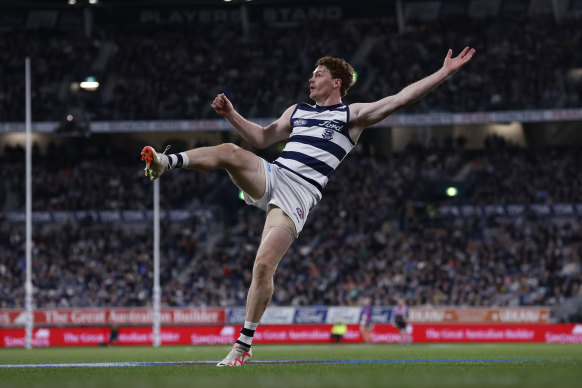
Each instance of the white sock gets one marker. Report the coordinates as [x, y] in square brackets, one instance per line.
[178, 160]
[246, 334]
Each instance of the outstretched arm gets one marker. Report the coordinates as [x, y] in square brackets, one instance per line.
[366, 114]
[254, 134]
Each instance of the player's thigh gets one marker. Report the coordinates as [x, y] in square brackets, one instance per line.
[243, 167]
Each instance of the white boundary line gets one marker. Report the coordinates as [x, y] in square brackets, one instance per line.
[259, 362]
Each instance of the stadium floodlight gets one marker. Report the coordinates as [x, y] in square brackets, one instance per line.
[93, 2]
[72, 2]
[89, 84]
[452, 191]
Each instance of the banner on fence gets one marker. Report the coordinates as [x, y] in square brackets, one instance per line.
[117, 316]
[274, 315]
[294, 334]
[479, 315]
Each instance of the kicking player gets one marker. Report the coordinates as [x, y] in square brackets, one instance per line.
[319, 137]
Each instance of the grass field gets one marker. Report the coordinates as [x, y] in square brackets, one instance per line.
[555, 366]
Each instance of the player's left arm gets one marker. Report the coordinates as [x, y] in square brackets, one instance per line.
[363, 115]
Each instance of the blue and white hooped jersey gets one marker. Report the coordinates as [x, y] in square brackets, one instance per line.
[319, 141]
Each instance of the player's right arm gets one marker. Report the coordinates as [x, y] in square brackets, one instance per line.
[254, 134]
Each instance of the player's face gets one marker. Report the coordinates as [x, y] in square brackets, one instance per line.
[321, 84]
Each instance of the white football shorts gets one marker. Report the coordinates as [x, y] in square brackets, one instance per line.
[287, 191]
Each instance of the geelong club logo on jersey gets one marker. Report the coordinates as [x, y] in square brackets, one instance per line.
[299, 213]
[327, 134]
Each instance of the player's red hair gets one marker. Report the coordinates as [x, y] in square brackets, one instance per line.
[339, 68]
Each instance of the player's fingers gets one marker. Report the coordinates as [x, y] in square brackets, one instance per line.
[469, 55]
[217, 102]
[464, 52]
[449, 53]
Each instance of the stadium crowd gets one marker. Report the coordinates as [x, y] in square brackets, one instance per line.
[355, 244]
[174, 72]
[536, 175]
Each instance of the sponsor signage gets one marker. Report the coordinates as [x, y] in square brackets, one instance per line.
[512, 210]
[194, 335]
[478, 315]
[524, 116]
[348, 315]
[310, 315]
[403, 120]
[281, 315]
[235, 315]
[208, 215]
[559, 333]
[44, 337]
[277, 315]
[96, 317]
[111, 216]
[294, 334]
[273, 316]
[381, 314]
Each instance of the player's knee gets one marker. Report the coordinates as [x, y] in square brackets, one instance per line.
[263, 271]
[229, 154]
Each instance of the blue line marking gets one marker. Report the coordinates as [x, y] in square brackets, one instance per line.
[404, 361]
[260, 362]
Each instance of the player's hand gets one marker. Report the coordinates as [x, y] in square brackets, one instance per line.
[222, 104]
[452, 65]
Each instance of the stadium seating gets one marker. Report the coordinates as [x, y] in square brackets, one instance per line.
[164, 73]
[356, 243]
[385, 239]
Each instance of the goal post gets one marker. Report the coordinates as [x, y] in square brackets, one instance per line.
[28, 282]
[156, 289]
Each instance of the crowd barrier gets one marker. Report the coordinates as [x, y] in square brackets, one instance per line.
[281, 325]
[293, 334]
[273, 315]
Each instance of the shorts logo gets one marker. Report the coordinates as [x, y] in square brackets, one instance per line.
[327, 134]
[299, 213]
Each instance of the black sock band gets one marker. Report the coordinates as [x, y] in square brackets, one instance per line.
[180, 161]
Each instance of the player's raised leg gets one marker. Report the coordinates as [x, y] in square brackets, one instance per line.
[241, 165]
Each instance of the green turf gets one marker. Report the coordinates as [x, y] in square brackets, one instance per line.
[562, 367]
